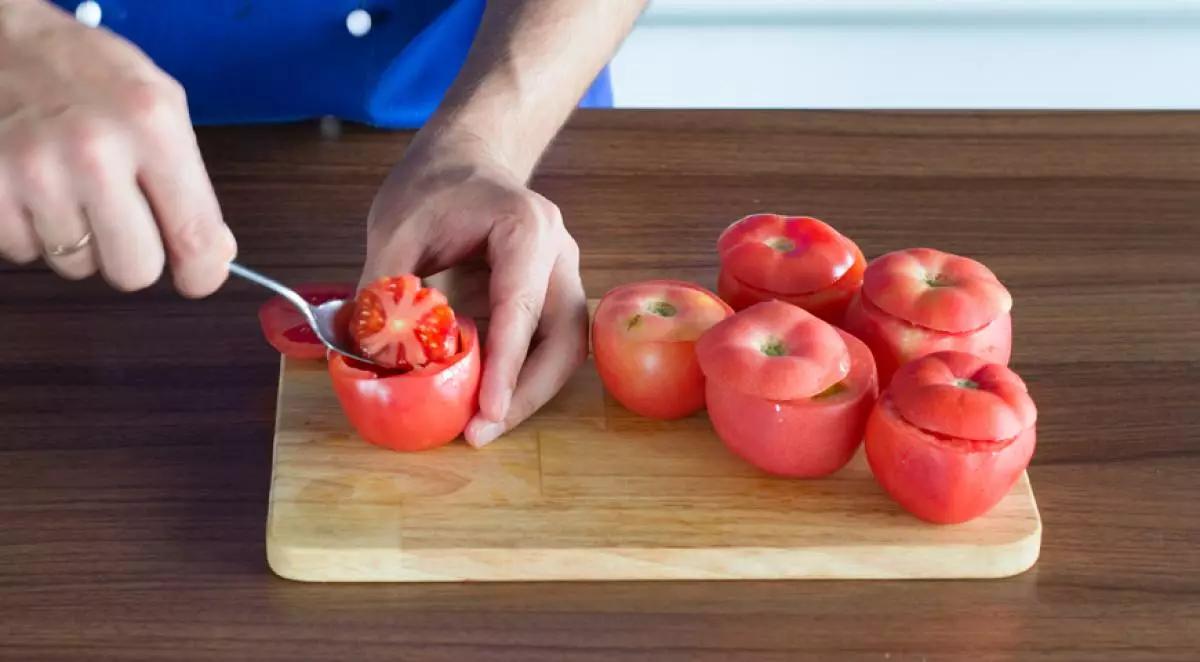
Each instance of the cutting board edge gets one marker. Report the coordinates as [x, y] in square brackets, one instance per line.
[313, 565]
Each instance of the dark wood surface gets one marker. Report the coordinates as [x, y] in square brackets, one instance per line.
[135, 430]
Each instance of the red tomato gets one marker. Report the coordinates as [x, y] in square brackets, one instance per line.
[399, 324]
[951, 435]
[920, 300]
[418, 409]
[286, 329]
[786, 391]
[643, 341]
[796, 259]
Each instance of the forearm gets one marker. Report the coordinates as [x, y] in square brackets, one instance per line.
[531, 63]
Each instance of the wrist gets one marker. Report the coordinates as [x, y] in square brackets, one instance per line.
[455, 140]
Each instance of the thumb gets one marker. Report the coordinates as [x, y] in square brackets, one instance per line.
[397, 252]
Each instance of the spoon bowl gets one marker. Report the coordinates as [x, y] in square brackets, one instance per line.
[326, 319]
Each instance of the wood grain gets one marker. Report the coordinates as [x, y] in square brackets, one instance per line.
[586, 490]
[135, 430]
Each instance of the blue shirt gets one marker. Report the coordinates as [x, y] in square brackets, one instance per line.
[252, 61]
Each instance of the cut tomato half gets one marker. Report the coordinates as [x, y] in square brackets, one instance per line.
[400, 324]
[286, 329]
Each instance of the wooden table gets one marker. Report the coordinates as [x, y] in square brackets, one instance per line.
[137, 428]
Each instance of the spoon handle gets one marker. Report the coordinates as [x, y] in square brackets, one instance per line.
[275, 286]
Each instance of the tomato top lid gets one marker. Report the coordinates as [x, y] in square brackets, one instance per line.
[961, 395]
[661, 310]
[936, 290]
[785, 254]
[774, 350]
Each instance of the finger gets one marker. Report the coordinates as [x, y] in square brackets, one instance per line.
[198, 243]
[18, 243]
[522, 255]
[54, 211]
[128, 244]
[398, 253]
[552, 363]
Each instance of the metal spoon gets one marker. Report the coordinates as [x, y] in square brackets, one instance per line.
[322, 318]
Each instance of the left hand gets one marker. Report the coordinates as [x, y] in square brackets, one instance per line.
[450, 200]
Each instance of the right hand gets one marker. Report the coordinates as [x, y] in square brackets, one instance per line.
[94, 138]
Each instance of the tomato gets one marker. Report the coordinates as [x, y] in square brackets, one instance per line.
[413, 410]
[286, 329]
[951, 435]
[787, 391]
[397, 323]
[918, 301]
[643, 341]
[796, 259]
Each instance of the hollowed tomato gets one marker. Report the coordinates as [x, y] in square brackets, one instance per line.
[950, 436]
[643, 341]
[415, 409]
[918, 301]
[285, 328]
[787, 391]
[796, 259]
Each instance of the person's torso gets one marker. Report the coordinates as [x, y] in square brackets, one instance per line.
[247, 61]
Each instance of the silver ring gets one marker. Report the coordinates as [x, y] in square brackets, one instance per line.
[62, 251]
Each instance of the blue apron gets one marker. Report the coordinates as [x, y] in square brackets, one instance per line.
[254, 61]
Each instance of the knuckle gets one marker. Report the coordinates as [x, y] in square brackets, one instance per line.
[570, 250]
[526, 304]
[92, 146]
[34, 165]
[154, 103]
[193, 237]
[546, 213]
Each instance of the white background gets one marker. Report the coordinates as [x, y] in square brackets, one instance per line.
[912, 54]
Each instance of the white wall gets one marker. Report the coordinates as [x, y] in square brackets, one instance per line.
[912, 54]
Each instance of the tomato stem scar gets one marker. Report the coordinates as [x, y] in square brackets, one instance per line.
[966, 383]
[774, 347]
[661, 308]
[937, 280]
[781, 244]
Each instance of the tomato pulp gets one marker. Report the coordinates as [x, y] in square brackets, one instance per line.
[416, 409]
[286, 329]
[918, 301]
[797, 259]
[643, 341]
[787, 391]
[950, 436]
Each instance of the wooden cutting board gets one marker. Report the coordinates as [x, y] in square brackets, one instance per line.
[586, 490]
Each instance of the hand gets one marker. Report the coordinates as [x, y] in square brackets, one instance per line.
[448, 202]
[98, 157]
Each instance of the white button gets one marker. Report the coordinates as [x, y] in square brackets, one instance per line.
[88, 13]
[358, 22]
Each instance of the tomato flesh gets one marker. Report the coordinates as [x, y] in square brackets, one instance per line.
[919, 301]
[950, 436]
[643, 343]
[286, 329]
[815, 432]
[397, 323]
[415, 409]
[797, 259]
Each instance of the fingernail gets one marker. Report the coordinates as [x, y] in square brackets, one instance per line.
[486, 433]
